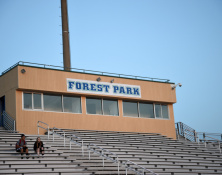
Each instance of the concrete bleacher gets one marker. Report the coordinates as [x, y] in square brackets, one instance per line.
[155, 152]
[54, 161]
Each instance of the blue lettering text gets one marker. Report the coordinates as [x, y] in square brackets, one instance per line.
[71, 83]
[121, 90]
[85, 86]
[78, 85]
[136, 91]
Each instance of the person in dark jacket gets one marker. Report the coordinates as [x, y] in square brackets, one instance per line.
[21, 146]
[39, 146]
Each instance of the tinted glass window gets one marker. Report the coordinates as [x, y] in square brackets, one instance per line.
[94, 106]
[27, 100]
[37, 101]
[53, 103]
[165, 111]
[146, 110]
[158, 111]
[110, 107]
[130, 109]
[72, 104]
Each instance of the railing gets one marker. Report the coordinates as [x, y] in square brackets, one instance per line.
[64, 135]
[104, 154]
[77, 140]
[86, 71]
[190, 134]
[201, 137]
[8, 122]
[185, 131]
[38, 126]
[137, 168]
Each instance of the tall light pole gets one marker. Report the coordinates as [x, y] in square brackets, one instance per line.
[65, 36]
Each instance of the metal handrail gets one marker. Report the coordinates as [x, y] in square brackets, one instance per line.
[43, 127]
[8, 122]
[186, 131]
[183, 130]
[104, 153]
[89, 71]
[76, 142]
[136, 168]
[213, 139]
[64, 135]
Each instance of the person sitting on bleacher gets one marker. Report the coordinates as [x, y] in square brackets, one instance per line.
[21, 146]
[39, 146]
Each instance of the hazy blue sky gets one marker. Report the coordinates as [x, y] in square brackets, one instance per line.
[176, 40]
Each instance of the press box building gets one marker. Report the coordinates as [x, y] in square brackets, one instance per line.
[79, 99]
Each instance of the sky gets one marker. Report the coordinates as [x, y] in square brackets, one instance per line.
[169, 39]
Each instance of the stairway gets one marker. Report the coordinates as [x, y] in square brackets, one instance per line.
[55, 161]
[155, 152]
[158, 153]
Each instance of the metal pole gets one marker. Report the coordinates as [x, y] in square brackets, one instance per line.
[103, 158]
[195, 136]
[65, 35]
[64, 139]
[53, 135]
[82, 149]
[48, 132]
[14, 125]
[70, 143]
[118, 164]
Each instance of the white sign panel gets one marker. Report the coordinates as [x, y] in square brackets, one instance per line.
[103, 88]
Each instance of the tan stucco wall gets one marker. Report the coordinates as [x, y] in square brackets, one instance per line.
[44, 80]
[8, 86]
[55, 81]
[27, 121]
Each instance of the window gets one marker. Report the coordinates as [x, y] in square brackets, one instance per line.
[165, 113]
[27, 100]
[161, 111]
[146, 110]
[102, 107]
[94, 106]
[49, 102]
[37, 100]
[52, 103]
[72, 104]
[130, 109]
[158, 110]
[110, 107]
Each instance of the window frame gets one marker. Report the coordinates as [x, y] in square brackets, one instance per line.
[102, 99]
[33, 104]
[42, 102]
[161, 111]
[153, 110]
[23, 101]
[71, 112]
[110, 100]
[136, 106]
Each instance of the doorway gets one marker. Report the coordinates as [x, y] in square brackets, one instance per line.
[2, 108]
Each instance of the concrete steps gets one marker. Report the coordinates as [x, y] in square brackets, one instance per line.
[158, 153]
